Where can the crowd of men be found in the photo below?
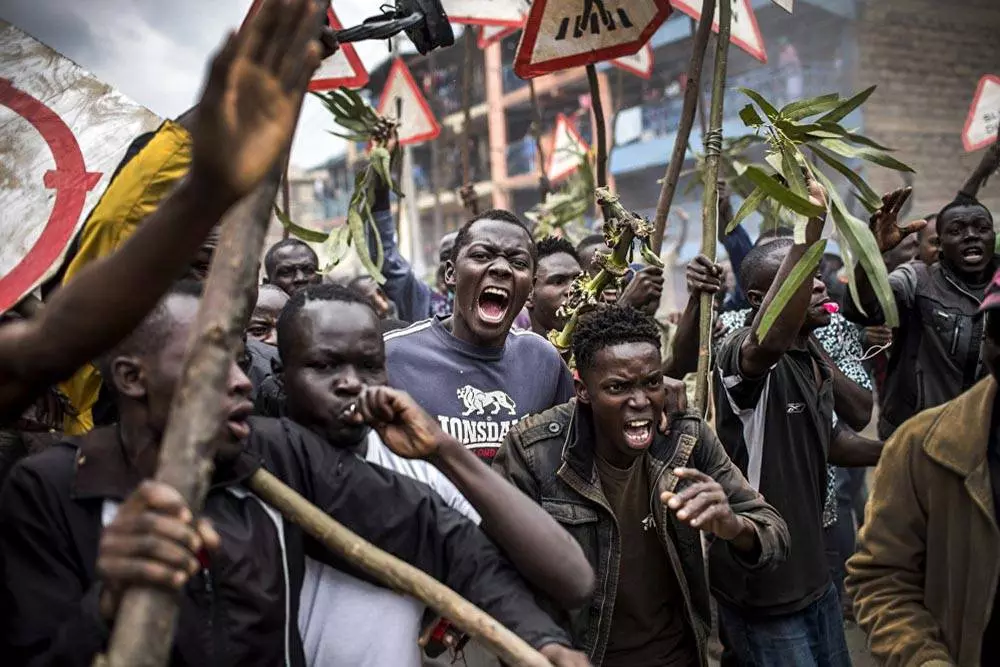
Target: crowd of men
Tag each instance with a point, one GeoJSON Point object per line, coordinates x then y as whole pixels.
{"type": "Point", "coordinates": [587, 511]}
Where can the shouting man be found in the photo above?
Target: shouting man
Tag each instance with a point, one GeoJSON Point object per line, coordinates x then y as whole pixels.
{"type": "Point", "coordinates": [558, 267]}
{"type": "Point", "coordinates": [606, 466]}
{"type": "Point", "coordinates": [472, 372]}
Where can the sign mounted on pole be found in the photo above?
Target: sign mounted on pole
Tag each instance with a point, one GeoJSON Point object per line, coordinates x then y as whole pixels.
{"type": "Point", "coordinates": [491, 34]}
{"type": "Point", "coordinates": [745, 32]}
{"type": "Point", "coordinates": [640, 64]}
{"type": "Point", "coordinates": [508, 13]}
{"type": "Point", "coordinates": [343, 68]}
{"type": "Point", "coordinates": [560, 34]}
{"type": "Point", "coordinates": [984, 116]}
{"type": "Point", "coordinates": [568, 148]}
{"type": "Point", "coordinates": [417, 123]}
{"type": "Point", "coordinates": [784, 4]}
{"type": "Point", "coordinates": [64, 133]}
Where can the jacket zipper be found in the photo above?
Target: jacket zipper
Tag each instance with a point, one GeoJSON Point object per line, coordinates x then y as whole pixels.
{"type": "Point", "coordinates": [658, 510]}
{"type": "Point", "coordinates": [954, 338]}
{"type": "Point", "coordinates": [206, 575]}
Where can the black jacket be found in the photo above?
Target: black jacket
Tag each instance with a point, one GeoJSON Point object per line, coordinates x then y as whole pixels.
{"type": "Point", "coordinates": [242, 609]}
{"type": "Point", "coordinates": [550, 457]}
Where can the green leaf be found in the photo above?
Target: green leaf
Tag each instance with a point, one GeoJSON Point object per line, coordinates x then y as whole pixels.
{"type": "Point", "coordinates": [862, 139]}
{"type": "Point", "coordinates": [864, 153]}
{"type": "Point", "coordinates": [759, 100]}
{"type": "Point", "coordinates": [773, 160]}
{"type": "Point", "coordinates": [749, 205]}
{"type": "Point", "coordinates": [847, 106]}
{"type": "Point", "coordinates": [781, 194]}
{"type": "Point", "coordinates": [791, 170]}
{"type": "Point", "coordinates": [866, 195]}
{"type": "Point", "coordinates": [356, 224]}
{"type": "Point", "coordinates": [750, 116]}
{"type": "Point", "coordinates": [822, 134]}
{"type": "Point", "coordinates": [811, 107]}
{"type": "Point", "coordinates": [304, 233]}
{"type": "Point", "coordinates": [803, 270]}
{"type": "Point", "coordinates": [353, 138]}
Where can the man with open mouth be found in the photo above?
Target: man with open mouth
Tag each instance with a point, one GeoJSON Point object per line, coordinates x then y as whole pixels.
{"type": "Point", "coordinates": [474, 372]}
{"type": "Point", "coordinates": [558, 266]}
{"type": "Point", "coordinates": [935, 356]}
{"type": "Point", "coordinates": [603, 465]}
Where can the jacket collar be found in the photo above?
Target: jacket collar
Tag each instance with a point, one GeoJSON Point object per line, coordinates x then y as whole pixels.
{"type": "Point", "coordinates": [959, 437]}
{"type": "Point", "coordinates": [104, 471]}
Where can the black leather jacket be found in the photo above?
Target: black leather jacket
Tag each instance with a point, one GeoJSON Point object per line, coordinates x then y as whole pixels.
{"type": "Point", "coordinates": [550, 457]}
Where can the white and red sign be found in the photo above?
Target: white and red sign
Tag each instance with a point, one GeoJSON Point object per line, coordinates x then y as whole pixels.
{"type": "Point", "coordinates": [560, 34]}
{"type": "Point", "coordinates": [984, 116]}
{"type": "Point", "coordinates": [640, 64]}
{"type": "Point", "coordinates": [491, 34]}
{"type": "Point", "coordinates": [63, 133]}
{"type": "Point", "coordinates": [784, 4]}
{"type": "Point", "coordinates": [417, 123]}
{"type": "Point", "coordinates": [744, 31]}
{"type": "Point", "coordinates": [568, 148]}
{"type": "Point", "coordinates": [343, 68]}
{"type": "Point", "coordinates": [508, 13]}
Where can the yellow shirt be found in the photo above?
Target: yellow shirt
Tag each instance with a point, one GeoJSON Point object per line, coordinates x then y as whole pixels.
{"type": "Point", "coordinates": [134, 193]}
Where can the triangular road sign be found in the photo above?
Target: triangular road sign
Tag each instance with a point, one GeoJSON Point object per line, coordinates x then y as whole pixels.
{"type": "Point", "coordinates": [344, 68]}
{"type": "Point", "coordinates": [640, 64]}
{"type": "Point", "coordinates": [560, 34]}
{"type": "Point", "coordinates": [417, 123]}
{"type": "Point", "coordinates": [744, 32]}
{"type": "Point", "coordinates": [984, 115]}
{"type": "Point", "coordinates": [491, 34]}
{"type": "Point", "coordinates": [508, 13]}
{"type": "Point", "coordinates": [567, 149]}
{"type": "Point", "coordinates": [784, 4]}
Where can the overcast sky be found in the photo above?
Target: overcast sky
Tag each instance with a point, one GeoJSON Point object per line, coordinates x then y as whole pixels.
{"type": "Point", "coordinates": [155, 51]}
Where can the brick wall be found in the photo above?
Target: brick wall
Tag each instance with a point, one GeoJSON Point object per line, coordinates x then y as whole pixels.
{"type": "Point", "coordinates": [926, 57]}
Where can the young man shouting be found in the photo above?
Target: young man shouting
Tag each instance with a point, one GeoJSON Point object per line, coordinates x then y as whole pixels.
{"type": "Point", "coordinates": [472, 372]}
{"type": "Point", "coordinates": [604, 465]}
{"type": "Point", "coordinates": [558, 267]}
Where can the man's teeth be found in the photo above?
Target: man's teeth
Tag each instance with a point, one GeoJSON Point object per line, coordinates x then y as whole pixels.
{"type": "Point", "coordinates": [637, 423]}
{"type": "Point", "coordinates": [496, 291]}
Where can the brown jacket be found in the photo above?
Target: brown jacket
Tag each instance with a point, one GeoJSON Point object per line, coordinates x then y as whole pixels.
{"type": "Point", "coordinates": [926, 571]}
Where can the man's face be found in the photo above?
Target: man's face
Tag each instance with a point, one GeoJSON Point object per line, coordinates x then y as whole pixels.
{"type": "Point", "coordinates": [966, 239]}
{"type": "Point", "coordinates": [154, 378]}
{"type": "Point", "coordinates": [817, 316]}
{"type": "Point", "coordinates": [929, 246]}
{"type": "Point", "coordinates": [295, 268]}
{"type": "Point", "coordinates": [587, 254]}
{"type": "Point", "coordinates": [337, 351]}
{"type": "Point", "coordinates": [624, 390]}
{"type": "Point", "coordinates": [491, 278]}
{"type": "Point", "coordinates": [553, 279]}
{"type": "Point", "coordinates": [263, 324]}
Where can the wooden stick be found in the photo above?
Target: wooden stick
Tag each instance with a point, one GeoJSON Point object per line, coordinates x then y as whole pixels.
{"type": "Point", "coordinates": [144, 627]}
{"type": "Point", "coordinates": [286, 200]}
{"type": "Point", "coordinates": [691, 94]}
{"type": "Point", "coordinates": [710, 203]}
{"type": "Point", "coordinates": [398, 575]}
{"type": "Point", "coordinates": [601, 168]}
{"type": "Point", "coordinates": [468, 193]}
{"type": "Point", "coordinates": [544, 187]}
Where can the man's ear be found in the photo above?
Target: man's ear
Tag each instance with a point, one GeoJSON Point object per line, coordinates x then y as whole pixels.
{"type": "Point", "coordinates": [755, 297]}
{"type": "Point", "coordinates": [530, 303]}
{"type": "Point", "coordinates": [449, 274]}
{"type": "Point", "coordinates": [582, 395]}
{"type": "Point", "coordinates": [128, 377]}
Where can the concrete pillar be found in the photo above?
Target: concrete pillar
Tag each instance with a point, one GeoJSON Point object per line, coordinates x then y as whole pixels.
{"type": "Point", "coordinates": [496, 119]}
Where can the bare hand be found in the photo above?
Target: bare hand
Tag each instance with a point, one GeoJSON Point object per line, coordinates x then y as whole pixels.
{"type": "Point", "coordinates": [676, 400]}
{"type": "Point", "coordinates": [402, 424]}
{"type": "Point", "coordinates": [884, 222]}
{"type": "Point", "coordinates": [879, 336]}
{"type": "Point", "coordinates": [703, 505]}
{"type": "Point", "coordinates": [252, 98]}
{"type": "Point", "coordinates": [153, 541]}
{"type": "Point", "coordinates": [704, 276]}
{"type": "Point", "coordinates": [644, 290]}
{"type": "Point", "coordinates": [560, 656]}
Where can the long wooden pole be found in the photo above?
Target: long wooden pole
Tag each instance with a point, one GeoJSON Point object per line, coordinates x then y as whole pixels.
{"type": "Point", "coordinates": [601, 168]}
{"type": "Point", "coordinates": [692, 92]}
{"type": "Point", "coordinates": [398, 575]}
{"type": "Point", "coordinates": [144, 627]}
{"type": "Point", "coordinates": [710, 203]}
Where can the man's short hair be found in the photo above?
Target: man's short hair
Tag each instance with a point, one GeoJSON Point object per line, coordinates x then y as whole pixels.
{"type": "Point", "coordinates": [759, 257]}
{"type": "Point", "coordinates": [462, 239]}
{"type": "Point", "coordinates": [269, 257]}
{"type": "Point", "coordinates": [611, 325]}
{"type": "Point", "coordinates": [333, 292]}
{"type": "Point", "coordinates": [592, 239]}
{"type": "Point", "coordinates": [552, 245]}
{"type": "Point", "coordinates": [779, 232]}
{"type": "Point", "coordinates": [959, 201]}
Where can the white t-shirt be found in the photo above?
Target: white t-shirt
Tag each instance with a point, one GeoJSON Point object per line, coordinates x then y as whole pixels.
{"type": "Point", "coordinates": [346, 622]}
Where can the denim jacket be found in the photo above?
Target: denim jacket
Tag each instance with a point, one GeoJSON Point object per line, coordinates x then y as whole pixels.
{"type": "Point", "coordinates": [550, 457]}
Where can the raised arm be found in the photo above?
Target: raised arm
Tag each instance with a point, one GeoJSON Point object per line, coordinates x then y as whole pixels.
{"type": "Point", "coordinates": [702, 277]}
{"type": "Point", "coordinates": [852, 402]}
{"type": "Point", "coordinates": [989, 164]}
{"type": "Point", "coordinates": [244, 122]}
{"type": "Point", "coordinates": [757, 356]}
{"type": "Point", "coordinates": [545, 554]}
{"type": "Point", "coordinates": [851, 450]}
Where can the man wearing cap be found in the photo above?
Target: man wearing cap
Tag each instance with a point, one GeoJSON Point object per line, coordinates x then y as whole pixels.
{"type": "Point", "coordinates": [924, 580]}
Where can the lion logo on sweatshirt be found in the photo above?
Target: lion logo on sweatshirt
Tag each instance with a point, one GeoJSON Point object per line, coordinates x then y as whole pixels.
{"type": "Point", "coordinates": [477, 401]}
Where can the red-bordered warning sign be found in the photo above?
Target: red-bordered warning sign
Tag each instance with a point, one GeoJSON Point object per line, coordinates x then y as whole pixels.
{"type": "Point", "coordinates": [491, 34]}
{"type": "Point", "coordinates": [417, 123]}
{"type": "Point", "coordinates": [343, 68]}
{"type": "Point", "coordinates": [640, 64]}
{"type": "Point", "coordinates": [568, 148]}
{"type": "Point", "coordinates": [508, 13]}
{"type": "Point", "coordinates": [560, 34]}
{"type": "Point", "coordinates": [983, 121]}
{"type": "Point", "coordinates": [744, 31]}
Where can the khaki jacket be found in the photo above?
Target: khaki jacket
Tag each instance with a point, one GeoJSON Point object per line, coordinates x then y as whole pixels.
{"type": "Point", "coordinates": [926, 571]}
